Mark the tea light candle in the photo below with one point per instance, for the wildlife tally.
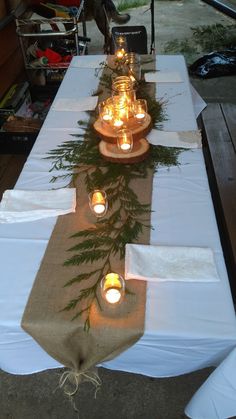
(120, 47)
(120, 53)
(120, 111)
(98, 202)
(105, 111)
(125, 140)
(118, 123)
(112, 288)
(140, 115)
(140, 109)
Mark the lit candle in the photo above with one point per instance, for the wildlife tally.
(120, 53)
(120, 47)
(140, 115)
(140, 109)
(98, 202)
(106, 117)
(118, 123)
(105, 111)
(125, 140)
(112, 288)
(120, 111)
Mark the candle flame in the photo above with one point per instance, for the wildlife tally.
(113, 296)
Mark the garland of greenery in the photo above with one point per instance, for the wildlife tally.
(126, 217)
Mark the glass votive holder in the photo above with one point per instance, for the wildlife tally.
(134, 65)
(112, 288)
(125, 140)
(120, 47)
(140, 110)
(120, 112)
(121, 41)
(98, 202)
(121, 84)
(105, 110)
(120, 53)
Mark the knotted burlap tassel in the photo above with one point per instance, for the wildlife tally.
(71, 380)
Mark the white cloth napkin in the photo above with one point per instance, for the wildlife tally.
(21, 206)
(81, 104)
(163, 77)
(181, 139)
(167, 263)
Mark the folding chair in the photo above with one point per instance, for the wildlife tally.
(136, 38)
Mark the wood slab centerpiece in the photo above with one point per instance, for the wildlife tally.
(108, 145)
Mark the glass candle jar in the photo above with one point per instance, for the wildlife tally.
(122, 86)
(120, 112)
(133, 63)
(120, 47)
(112, 288)
(125, 140)
(105, 110)
(140, 110)
(98, 202)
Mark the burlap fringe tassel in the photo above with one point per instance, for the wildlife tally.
(70, 382)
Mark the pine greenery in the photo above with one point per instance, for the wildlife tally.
(126, 218)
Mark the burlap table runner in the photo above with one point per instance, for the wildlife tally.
(113, 329)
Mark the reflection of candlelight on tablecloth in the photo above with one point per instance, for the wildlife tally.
(112, 288)
(98, 202)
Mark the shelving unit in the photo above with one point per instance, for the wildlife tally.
(32, 30)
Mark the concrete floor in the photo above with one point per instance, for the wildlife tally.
(174, 20)
(123, 395)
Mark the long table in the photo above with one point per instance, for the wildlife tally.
(188, 326)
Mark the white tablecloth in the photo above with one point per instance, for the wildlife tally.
(188, 326)
(216, 398)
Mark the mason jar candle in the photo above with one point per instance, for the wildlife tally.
(98, 202)
(112, 288)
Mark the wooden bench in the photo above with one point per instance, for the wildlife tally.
(219, 147)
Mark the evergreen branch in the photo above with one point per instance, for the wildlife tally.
(92, 244)
(89, 256)
(81, 277)
(125, 219)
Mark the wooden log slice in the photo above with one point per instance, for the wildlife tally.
(109, 135)
(111, 152)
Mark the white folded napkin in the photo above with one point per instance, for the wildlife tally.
(163, 77)
(167, 263)
(181, 139)
(81, 104)
(21, 206)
